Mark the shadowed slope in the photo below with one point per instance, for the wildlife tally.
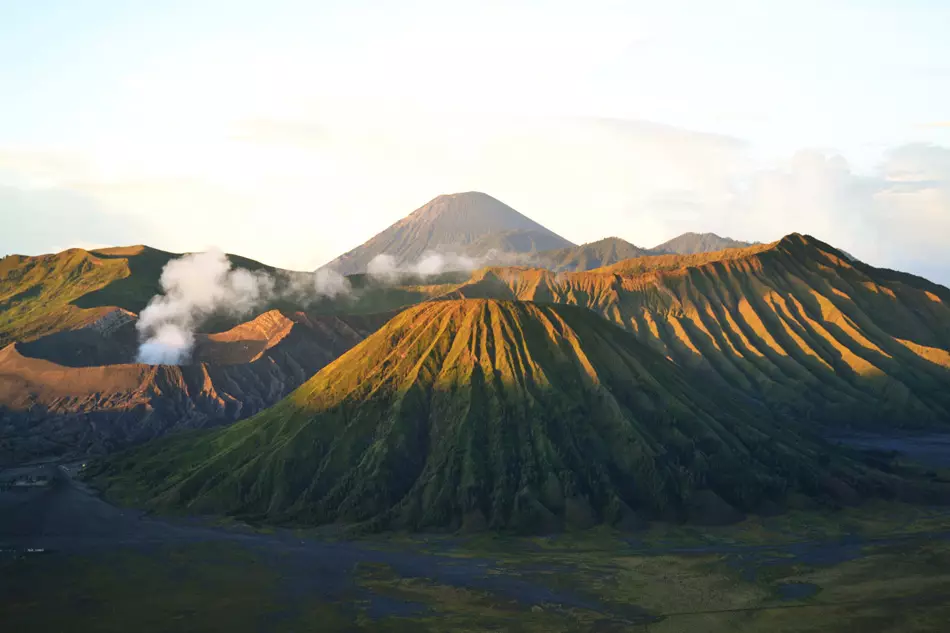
(457, 223)
(479, 414)
(794, 323)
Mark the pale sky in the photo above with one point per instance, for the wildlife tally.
(292, 131)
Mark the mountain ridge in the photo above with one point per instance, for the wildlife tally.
(793, 323)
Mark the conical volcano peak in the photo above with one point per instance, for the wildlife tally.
(466, 223)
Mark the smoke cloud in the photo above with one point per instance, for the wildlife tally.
(305, 287)
(199, 285)
(329, 283)
(194, 287)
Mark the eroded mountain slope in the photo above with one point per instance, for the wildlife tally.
(794, 323)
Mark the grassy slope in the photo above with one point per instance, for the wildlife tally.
(38, 294)
(50, 293)
(792, 323)
(479, 414)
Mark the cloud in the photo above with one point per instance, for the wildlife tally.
(388, 269)
(307, 287)
(304, 174)
(897, 216)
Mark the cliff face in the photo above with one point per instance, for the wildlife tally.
(78, 406)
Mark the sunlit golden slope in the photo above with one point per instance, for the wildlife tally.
(795, 323)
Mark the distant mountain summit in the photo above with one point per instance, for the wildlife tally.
(464, 223)
(692, 243)
(605, 252)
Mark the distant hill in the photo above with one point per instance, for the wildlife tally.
(501, 415)
(470, 223)
(609, 250)
(692, 243)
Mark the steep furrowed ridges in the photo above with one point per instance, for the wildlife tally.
(853, 326)
(767, 321)
(508, 352)
(802, 321)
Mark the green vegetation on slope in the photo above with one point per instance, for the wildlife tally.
(50, 293)
(37, 294)
(506, 415)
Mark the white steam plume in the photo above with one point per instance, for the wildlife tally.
(386, 268)
(198, 285)
(330, 283)
(324, 282)
(195, 286)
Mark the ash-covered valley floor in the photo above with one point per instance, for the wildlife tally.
(71, 561)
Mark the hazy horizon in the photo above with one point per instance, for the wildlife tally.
(291, 132)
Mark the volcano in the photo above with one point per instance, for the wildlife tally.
(484, 414)
(470, 223)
